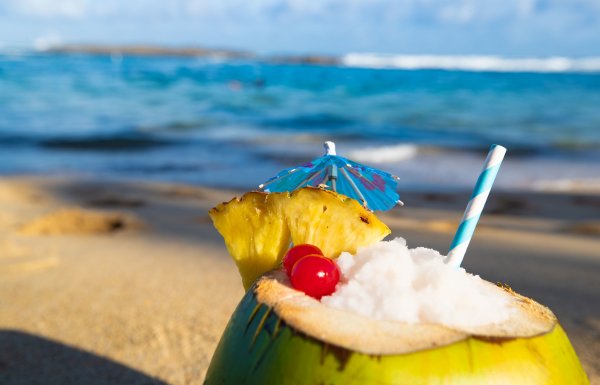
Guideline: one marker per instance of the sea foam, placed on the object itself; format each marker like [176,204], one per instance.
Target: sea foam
[473,63]
[385,154]
[389,281]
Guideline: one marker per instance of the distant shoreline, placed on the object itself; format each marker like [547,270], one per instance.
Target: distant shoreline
[149,50]
[144,50]
[468,63]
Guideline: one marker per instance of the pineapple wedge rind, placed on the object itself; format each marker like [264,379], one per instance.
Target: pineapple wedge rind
[259,227]
[255,232]
[331,221]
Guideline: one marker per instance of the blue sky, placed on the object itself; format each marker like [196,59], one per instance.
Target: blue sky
[504,27]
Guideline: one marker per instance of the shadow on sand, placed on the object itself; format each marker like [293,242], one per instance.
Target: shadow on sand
[26,359]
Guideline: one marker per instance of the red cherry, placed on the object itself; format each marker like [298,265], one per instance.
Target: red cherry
[315,275]
[295,253]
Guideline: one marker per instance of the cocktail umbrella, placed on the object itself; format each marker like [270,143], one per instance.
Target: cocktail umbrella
[375,189]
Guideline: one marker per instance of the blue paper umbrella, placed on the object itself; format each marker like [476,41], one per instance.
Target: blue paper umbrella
[375,189]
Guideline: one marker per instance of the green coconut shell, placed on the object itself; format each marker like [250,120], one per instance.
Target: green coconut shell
[278,336]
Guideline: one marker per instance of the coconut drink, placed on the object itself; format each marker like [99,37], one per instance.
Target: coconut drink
[396,316]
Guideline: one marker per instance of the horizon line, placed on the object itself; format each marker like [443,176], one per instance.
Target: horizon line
[459,62]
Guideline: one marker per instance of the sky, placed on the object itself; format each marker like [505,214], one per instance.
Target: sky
[516,28]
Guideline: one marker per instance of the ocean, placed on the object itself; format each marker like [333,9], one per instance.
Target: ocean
[235,123]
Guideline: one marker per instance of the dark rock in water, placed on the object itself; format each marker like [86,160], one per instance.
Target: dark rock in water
[105,143]
[306,59]
[146,50]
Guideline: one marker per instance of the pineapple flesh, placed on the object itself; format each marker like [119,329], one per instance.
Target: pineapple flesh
[259,227]
[332,222]
[255,232]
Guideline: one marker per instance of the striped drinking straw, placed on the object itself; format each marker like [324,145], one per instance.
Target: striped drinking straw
[475,207]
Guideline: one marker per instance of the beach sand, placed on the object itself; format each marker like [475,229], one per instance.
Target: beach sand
[128,283]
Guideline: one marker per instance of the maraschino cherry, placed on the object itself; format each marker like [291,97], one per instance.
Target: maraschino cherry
[315,275]
[296,253]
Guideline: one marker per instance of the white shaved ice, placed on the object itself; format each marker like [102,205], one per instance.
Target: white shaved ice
[389,281]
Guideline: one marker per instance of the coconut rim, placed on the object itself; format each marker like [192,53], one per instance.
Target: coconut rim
[362,334]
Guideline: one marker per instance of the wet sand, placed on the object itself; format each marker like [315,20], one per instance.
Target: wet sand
[122,283]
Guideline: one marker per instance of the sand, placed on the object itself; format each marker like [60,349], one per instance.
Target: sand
[128,283]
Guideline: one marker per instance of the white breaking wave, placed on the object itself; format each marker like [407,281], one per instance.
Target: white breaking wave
[385,154]
[473,63]
[46,42]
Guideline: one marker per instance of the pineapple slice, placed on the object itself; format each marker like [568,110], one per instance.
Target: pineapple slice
[331,221]
[259,227]
[255,232]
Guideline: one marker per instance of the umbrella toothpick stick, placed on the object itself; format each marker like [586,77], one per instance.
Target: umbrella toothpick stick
[354,187]
[474,208]
[330,150]
[326,179]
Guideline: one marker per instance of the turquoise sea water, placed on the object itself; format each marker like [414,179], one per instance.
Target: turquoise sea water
[236,123]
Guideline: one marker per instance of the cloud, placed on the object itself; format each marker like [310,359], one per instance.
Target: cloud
[444,11]
[46,41]
[389,25]
[47,9]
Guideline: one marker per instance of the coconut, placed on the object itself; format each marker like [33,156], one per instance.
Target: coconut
[278,335]
[428,322]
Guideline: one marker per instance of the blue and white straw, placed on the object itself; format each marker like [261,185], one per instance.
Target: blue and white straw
[475,207]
